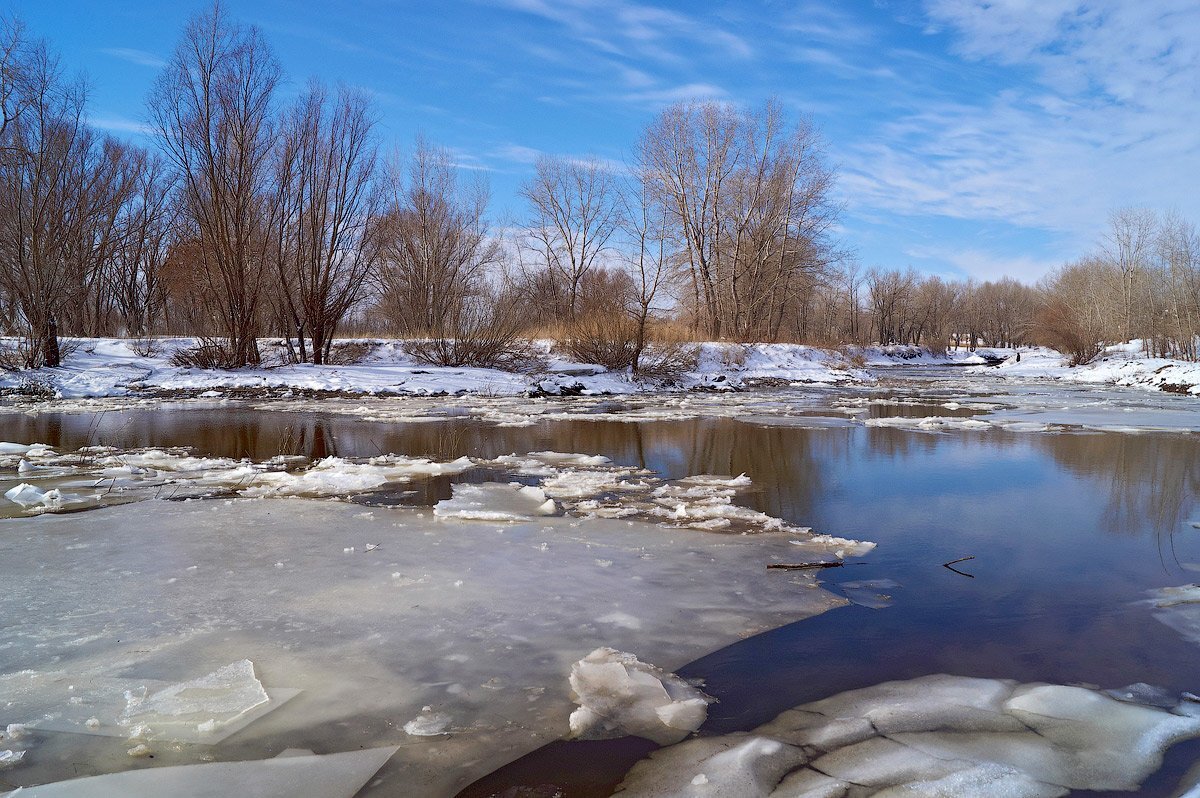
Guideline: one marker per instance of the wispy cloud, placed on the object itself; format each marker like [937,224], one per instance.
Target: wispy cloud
[139,57]
[1096,107]
[621,27]
[118,124]
[986,265]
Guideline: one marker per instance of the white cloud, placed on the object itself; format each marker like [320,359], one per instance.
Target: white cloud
[1097,108]
[985,265]
[139,57]
[118,124]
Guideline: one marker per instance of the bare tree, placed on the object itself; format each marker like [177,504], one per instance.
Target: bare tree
[1177,287]
[1074,316]
[329,202]
[135,279]
[212,108]
[749,197]
[61,191]
[574,214]
[650,259]
[436,246]
[1127,245]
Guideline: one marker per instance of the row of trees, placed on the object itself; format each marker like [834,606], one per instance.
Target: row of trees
[1143,282]
[253,216]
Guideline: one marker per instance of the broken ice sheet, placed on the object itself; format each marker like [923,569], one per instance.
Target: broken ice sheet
[620,695]
[205,710]
[1179,608]
[936,735]
[872,593]
[369,649]
[288,775]
[206,704]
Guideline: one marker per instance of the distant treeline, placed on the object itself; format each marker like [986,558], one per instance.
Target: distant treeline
[254,217]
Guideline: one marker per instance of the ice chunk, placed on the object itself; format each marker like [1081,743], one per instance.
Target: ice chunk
[428,724]
[732,765]
[206,703]
[330,776]
[941,736]
[618,694]
[494,501]
[10,758]
[28,496]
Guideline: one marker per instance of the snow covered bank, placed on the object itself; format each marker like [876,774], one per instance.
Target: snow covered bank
[1122,364]
[937,736]
[374,616]
[110,367]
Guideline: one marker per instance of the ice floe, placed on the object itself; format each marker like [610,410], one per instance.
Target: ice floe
[620,695]
[479,624]
[1179,608]
[933,736]
[496,502]
[288,775]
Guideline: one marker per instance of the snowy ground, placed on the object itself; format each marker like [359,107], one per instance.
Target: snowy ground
[1123,365]
[110,367]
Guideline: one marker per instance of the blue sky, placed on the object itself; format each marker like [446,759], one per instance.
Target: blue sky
[972,137]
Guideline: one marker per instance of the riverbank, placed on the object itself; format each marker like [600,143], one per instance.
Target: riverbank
[108,367]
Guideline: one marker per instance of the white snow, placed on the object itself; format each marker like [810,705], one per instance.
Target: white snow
[102,367]
[936,735]
[619,695]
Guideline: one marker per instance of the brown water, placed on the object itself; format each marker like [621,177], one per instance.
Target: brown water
[1068,532]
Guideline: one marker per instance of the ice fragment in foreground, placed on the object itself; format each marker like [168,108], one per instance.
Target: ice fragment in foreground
[933,736]
[618,695]
[206,703]
[331,776]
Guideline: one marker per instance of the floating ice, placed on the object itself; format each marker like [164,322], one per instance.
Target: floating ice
[428,724]
[330,776]
[32,498]
[10,758]
[1179,608]
[206,704]
[28,495]
[369,650]
[618,695]
[494,501]
[873,593]
[934,736]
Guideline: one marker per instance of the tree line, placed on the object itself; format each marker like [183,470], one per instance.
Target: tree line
[252,216]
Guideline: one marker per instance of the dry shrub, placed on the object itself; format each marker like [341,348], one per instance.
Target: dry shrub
[1061,326]
[612,341]
[667,360]
[15,354]
[608,340]
[210,353]
[145,346]
[484,333]
[349,353]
